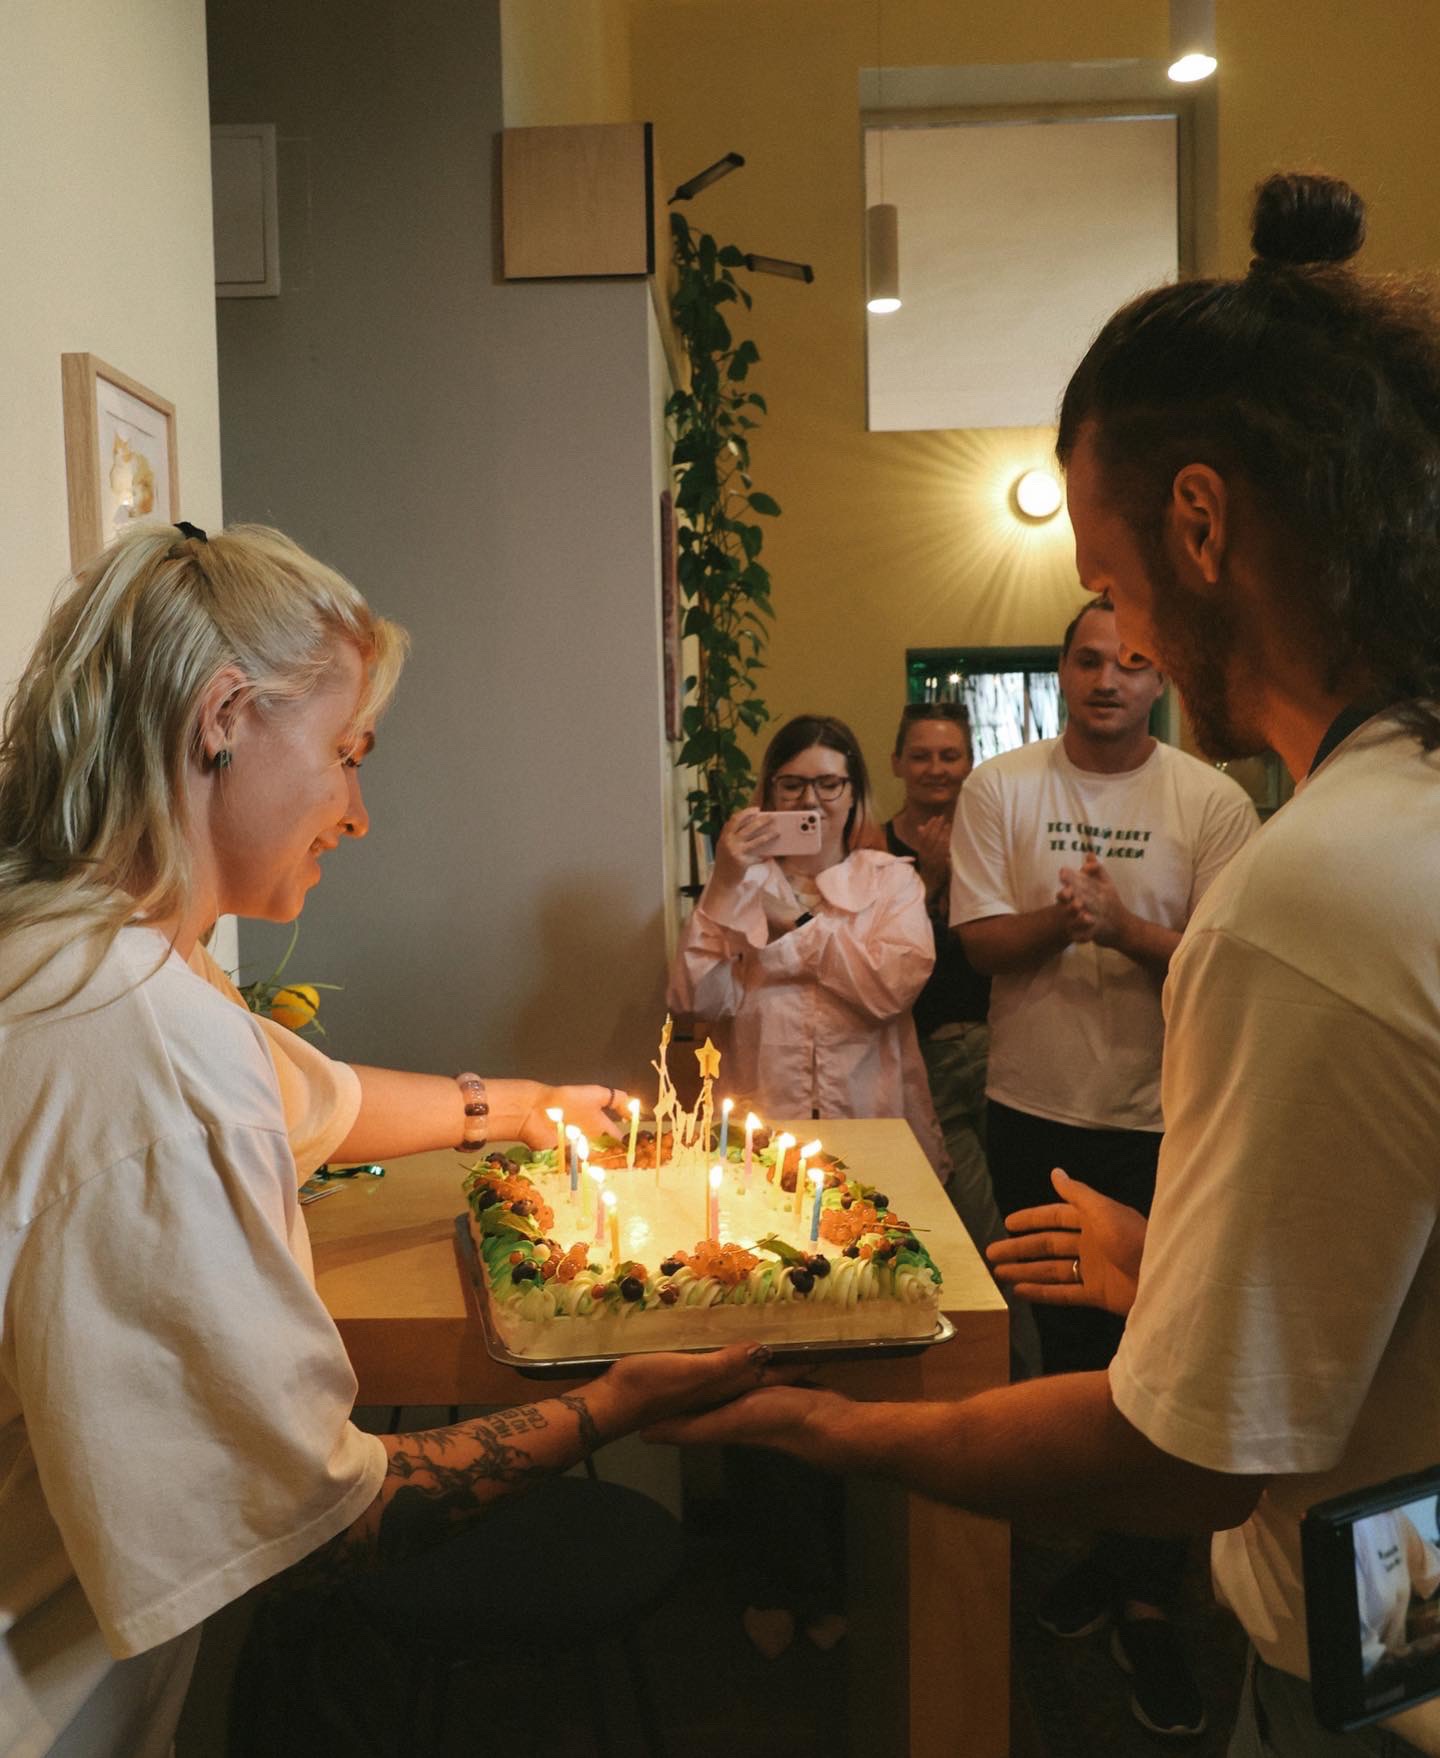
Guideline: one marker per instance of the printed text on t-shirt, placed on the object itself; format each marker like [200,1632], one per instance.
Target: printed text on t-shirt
[1097,839]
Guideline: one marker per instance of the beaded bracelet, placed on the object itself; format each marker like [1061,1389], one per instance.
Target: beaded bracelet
[472,1091]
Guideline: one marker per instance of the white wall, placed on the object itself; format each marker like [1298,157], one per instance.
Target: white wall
[105,192]
[480,458]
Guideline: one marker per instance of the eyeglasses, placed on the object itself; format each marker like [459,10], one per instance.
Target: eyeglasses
[791,788]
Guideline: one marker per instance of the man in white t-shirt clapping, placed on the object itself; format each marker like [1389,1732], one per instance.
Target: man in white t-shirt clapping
[1076,864]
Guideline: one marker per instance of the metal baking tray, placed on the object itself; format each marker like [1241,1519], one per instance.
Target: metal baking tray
[477,1303]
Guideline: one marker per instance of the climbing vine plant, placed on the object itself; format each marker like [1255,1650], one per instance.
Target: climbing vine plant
[724,589]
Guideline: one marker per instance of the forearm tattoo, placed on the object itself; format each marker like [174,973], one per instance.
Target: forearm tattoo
[589,1431]
[443,1479]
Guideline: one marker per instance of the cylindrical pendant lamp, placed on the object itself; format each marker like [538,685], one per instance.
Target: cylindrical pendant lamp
[1192,40]
[882,258]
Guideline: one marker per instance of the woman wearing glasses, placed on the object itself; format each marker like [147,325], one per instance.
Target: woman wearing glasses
[814,960]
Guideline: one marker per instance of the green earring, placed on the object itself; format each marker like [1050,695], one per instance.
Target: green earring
[222,757]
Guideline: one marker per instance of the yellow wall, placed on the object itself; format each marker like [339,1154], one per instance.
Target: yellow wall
[564,61]
[889,540]
[1344,88]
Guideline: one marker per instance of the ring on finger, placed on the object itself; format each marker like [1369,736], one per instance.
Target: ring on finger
[1075,1275]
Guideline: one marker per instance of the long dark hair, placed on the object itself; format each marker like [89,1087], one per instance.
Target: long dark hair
[862,827]
[1321,390]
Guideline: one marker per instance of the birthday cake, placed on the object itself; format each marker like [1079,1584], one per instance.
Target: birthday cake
[670,1241]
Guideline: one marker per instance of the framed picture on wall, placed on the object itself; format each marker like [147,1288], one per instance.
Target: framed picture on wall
[674,680]
[121,459]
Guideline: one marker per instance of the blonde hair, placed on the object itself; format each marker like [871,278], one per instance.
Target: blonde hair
[105,719]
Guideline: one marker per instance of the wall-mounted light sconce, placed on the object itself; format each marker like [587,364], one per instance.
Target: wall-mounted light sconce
[1192,40]
[779,265]
[703,179]
[1037,496]
[882,258]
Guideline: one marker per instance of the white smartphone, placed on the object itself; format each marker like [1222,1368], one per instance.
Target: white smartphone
[797,833]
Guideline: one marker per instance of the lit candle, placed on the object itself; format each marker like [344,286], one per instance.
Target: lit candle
[612,1210]
[600,1193]
[557,1117]
[574,1138]
[810,1149]
[783,1145]
[752,1123]
[817,1178]
[726,1107]
[712,1212]
[634,1130]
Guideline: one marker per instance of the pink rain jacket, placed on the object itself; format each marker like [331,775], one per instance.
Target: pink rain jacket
[818,1023]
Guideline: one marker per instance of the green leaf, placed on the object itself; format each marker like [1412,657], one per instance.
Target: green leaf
[498,1220]
[732,256]
[699,748]
[778,1247]
[759,402]
[762,503]
[742,360]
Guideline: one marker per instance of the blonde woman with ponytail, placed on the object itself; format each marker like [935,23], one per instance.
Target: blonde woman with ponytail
[186,742]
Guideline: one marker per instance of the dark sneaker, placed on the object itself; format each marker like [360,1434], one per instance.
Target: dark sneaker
[1163,1696]
[1080,1602]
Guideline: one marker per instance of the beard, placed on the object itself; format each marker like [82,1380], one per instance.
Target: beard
[1201,652]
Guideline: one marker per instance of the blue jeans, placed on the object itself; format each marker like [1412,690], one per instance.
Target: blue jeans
[1276,1720]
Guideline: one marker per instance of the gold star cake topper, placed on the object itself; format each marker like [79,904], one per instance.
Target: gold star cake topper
[709,1059]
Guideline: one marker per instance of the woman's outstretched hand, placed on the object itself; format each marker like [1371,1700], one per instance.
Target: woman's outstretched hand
[595,1111]
[1105,1238]
[745,841]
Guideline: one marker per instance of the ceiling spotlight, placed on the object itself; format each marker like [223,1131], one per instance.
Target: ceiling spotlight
[882,258]
[1192,40]
[779,265]
[711,174]
[1037,495]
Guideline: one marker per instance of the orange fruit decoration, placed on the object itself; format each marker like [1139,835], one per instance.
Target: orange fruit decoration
[295,1005]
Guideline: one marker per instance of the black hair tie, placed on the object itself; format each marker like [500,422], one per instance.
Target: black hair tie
[186,529]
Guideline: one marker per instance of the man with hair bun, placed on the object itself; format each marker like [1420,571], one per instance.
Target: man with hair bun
[1254,479]
[1077,862]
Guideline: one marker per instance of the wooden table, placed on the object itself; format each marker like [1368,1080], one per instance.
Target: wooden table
[936,1581]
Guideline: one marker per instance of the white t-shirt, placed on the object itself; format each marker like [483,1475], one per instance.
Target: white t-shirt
[174,1399]
[1394,1563]
[1078,1038]
[1289,1304]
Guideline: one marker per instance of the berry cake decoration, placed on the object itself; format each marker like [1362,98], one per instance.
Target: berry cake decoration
[668,1238]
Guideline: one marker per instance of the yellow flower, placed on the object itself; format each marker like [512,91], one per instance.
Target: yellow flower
[295,1005]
